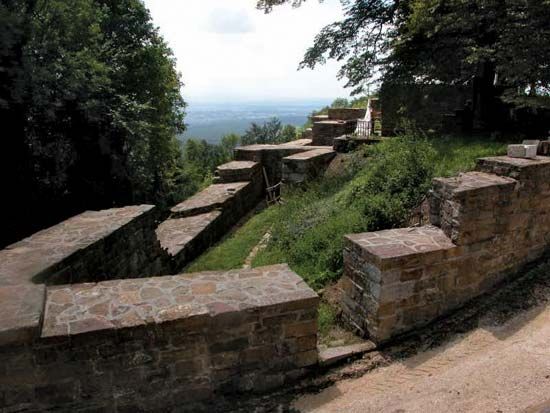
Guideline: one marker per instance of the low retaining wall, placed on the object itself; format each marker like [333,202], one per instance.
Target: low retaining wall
[163,343]
[486,225]
[148,344]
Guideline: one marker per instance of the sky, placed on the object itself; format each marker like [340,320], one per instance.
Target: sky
[229,50]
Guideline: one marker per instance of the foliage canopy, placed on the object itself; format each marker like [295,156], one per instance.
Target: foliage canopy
[449,41]
[91,97]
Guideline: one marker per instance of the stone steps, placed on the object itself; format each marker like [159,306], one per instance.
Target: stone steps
[200,221]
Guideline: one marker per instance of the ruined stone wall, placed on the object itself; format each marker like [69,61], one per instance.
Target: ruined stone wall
[200,221]
[325,132]
[162,343]
[92,246]
[270,157]
[487,225]
[305,166]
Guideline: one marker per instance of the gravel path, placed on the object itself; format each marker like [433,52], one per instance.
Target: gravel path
[493,368]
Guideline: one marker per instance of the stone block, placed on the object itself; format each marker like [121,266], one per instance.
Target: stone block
[238,171]
[522,151]
[521,169]
[467,207]
[401,248]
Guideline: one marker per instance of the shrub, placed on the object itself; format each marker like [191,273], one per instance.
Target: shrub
[310,237]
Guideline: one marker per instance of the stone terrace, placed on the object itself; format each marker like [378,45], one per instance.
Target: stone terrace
[492,222]
[167,342]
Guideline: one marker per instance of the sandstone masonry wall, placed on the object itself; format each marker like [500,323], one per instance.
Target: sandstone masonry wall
[163,343]
[271,157]
[200,221]
[486,225]
[92,246]
[324,132]
[346,113]
[81,331]
[305,166]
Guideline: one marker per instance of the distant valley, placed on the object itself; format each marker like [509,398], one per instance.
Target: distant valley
[210,121]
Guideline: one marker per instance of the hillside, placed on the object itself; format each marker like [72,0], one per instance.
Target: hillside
[375,190]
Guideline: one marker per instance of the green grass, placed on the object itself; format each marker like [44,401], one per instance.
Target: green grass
[232,251]
[459,155]
[307,230]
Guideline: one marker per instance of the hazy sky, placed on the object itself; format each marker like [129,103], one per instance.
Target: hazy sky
[226,49]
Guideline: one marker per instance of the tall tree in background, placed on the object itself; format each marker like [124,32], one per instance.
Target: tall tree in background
[500,47]
[91,98]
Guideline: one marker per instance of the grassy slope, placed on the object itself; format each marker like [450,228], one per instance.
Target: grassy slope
[307,230]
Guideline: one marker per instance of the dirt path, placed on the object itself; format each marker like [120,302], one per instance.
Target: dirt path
[493,368]
[260,246]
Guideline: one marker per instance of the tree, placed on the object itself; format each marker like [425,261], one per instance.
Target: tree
[500,47]
[93,101]
[340,103]
[271,132]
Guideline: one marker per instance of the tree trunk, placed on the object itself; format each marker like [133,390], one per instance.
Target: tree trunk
[484,97]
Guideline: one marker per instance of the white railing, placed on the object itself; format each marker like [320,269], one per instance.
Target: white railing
[364,128]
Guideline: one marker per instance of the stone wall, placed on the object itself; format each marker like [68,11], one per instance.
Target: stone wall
[325,132]
[163,343]
[486,226]
[92,246]
[305,166]
[270,157]
[203,219]
[346,113]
